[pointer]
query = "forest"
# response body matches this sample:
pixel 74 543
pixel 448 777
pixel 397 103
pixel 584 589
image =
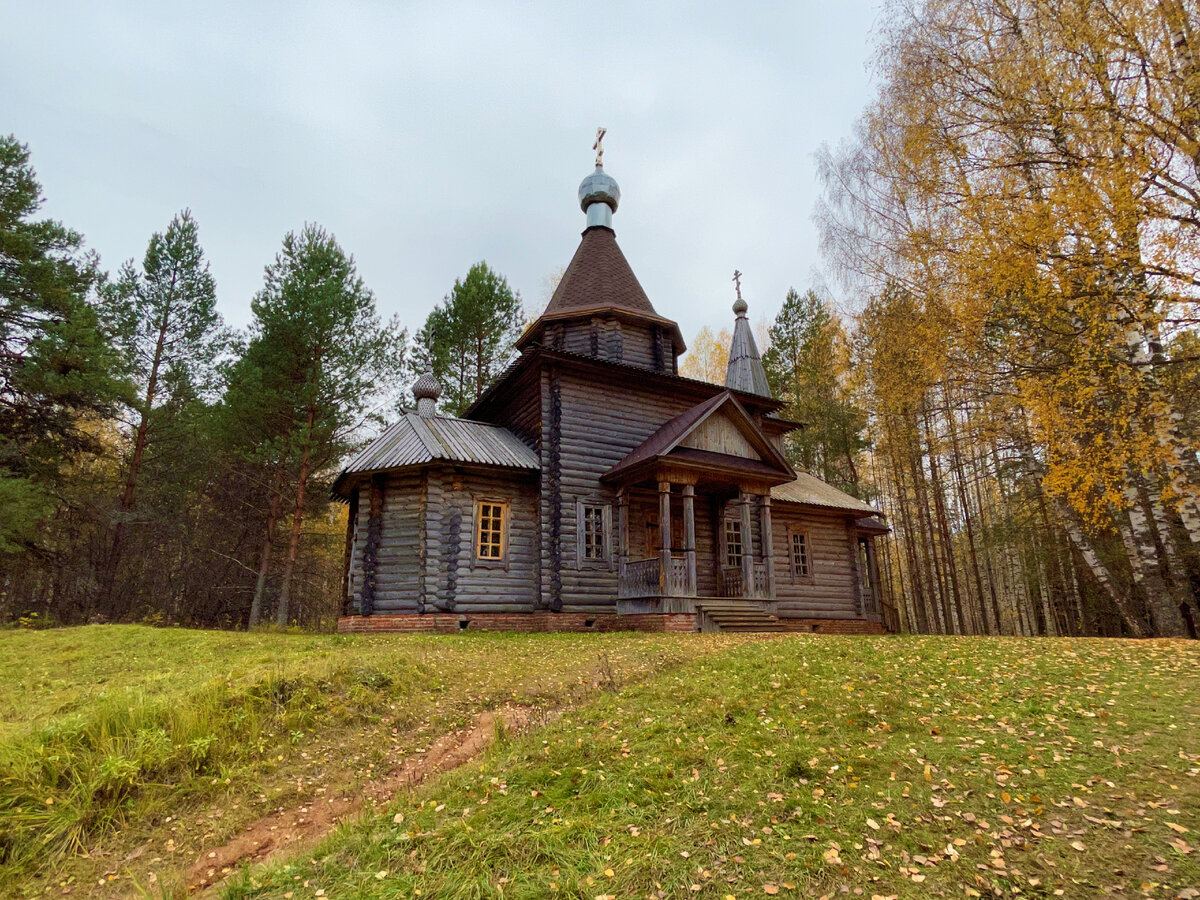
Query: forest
pixel 1005 360
pixel 1016 216
pixel 157 466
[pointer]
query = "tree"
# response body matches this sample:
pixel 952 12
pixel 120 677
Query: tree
pixel 317 369
pixel 1025 178
pixel 467 340
pixel 171 336
pixel 57 366
pixel 806 365
pixel 708 357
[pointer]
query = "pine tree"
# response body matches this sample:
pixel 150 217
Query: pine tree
pixel 57 366
pixel 318 368
pixel 171 336
pixel 806 364
pixel 467 340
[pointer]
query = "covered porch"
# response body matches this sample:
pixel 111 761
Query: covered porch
pixel 679 544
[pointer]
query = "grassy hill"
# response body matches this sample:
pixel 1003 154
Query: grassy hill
pixel 682 766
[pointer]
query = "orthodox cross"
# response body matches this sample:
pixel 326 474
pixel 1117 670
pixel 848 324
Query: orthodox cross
pixel 598 147
pixel 737 282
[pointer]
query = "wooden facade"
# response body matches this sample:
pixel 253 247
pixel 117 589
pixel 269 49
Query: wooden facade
pixel 592 484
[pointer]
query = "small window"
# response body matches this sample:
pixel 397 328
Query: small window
pixel 594 544
pixel 799 554
pixel 733 543
pixel 489 530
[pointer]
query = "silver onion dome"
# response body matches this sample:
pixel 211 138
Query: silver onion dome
pixel 426 392
pixel 598 197
pixel 739 308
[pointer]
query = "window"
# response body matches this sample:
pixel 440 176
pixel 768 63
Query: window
pixel 593 533
pixel 733 543
pixel 593 522
pixel 799 554
pixel 489 529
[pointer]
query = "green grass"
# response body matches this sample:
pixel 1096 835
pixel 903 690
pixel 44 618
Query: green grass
pixel 119 740
pixel 816 766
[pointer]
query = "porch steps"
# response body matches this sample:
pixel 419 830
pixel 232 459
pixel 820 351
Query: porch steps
pixel 736 617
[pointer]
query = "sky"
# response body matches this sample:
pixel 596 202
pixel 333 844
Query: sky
pixel 430 136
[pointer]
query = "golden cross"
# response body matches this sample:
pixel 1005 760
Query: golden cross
pixel 600 132
pixel 737 282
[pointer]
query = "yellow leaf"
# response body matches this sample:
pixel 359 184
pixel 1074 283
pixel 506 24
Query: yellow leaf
pixel 770 889
pixel 929 773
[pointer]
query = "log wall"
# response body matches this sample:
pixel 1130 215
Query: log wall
pixel 829 590
pixel 597 427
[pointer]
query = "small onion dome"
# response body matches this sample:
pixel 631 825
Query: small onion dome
pixel 599 187
pixel 427 388
pixel 739 307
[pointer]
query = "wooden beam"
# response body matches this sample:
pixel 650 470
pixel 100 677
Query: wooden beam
pixel 366 604
pixel 747 547
pixel 689 536
pixel 664 534
pixel 351 526
pixel 767 541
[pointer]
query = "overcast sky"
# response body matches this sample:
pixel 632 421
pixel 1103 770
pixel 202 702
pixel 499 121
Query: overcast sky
pixel 429 136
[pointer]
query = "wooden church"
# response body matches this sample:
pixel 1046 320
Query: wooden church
pixel 594 488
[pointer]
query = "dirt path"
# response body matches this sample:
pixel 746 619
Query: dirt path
pixel 289 831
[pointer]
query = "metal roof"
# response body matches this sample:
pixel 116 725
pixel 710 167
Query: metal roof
pixel 812 491
pixel 416 440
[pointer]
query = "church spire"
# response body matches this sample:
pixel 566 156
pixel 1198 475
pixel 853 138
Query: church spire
pixel 746 372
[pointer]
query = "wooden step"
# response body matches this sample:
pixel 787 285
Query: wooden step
pixel 735 617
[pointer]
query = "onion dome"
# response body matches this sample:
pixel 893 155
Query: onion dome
pixel 426 392
pixel 599 195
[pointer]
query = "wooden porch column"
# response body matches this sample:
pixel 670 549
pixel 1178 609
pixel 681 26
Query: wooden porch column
pixel 747 547
pixel 689 536
pixel 768 543
pixel 622 531
pixel 664 534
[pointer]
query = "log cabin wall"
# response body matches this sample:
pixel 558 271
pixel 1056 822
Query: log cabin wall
pixel 455 580
pixel 829 591
pixel 600 424
pixel 606 337
pixel 397 565
pixel 521 412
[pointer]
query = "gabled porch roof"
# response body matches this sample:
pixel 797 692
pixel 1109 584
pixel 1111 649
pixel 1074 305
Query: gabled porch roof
pixel 668 446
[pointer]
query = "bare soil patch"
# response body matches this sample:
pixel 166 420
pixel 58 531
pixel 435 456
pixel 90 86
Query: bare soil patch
pixel 295 829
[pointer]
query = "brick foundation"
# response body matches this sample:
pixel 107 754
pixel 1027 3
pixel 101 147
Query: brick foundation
pixel 832 626
pixel 453 623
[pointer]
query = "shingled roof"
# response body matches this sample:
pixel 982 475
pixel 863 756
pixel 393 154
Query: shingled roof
pixel 599 276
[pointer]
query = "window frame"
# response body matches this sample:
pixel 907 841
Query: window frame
pixel 805 535
pixel 606 557
pixel 505 508
pixel 736 523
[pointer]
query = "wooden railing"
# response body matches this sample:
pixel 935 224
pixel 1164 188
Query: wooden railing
pixel 641 578
pixel 762 587
pixel 677 584
pixel 732 584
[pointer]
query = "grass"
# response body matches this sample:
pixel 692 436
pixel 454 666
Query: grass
pixel 816 767
pixel 124 750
